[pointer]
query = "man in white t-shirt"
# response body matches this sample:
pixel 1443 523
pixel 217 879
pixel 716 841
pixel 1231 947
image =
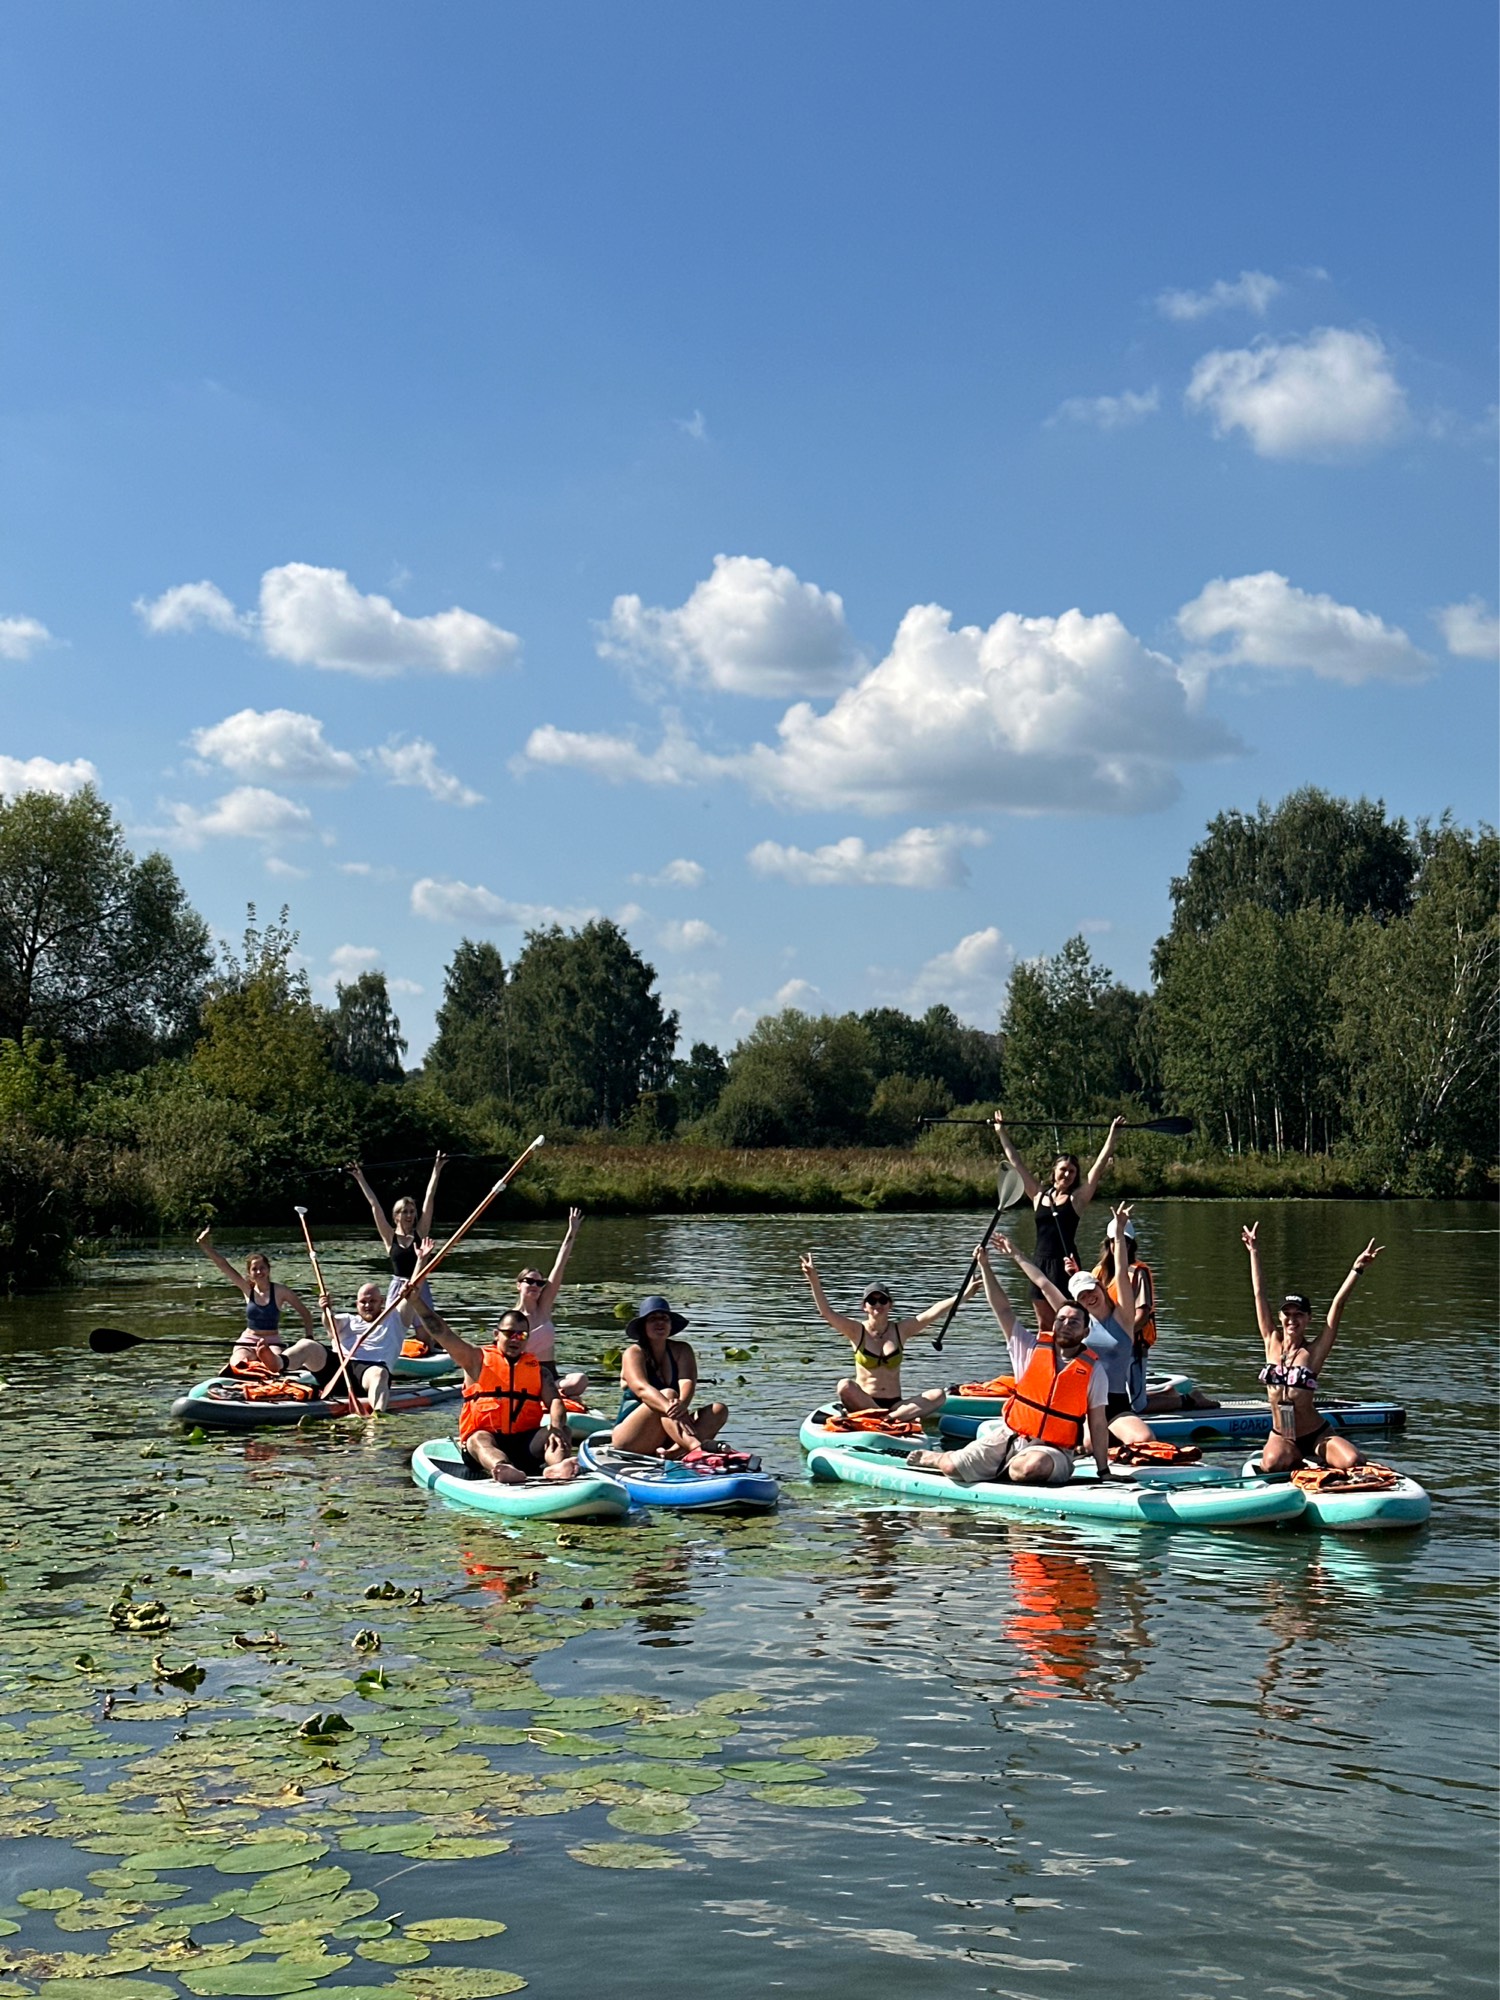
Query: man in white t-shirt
pixel 1002 1453
pixel 371 1337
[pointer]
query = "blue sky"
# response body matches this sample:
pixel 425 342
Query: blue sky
pixel 849 490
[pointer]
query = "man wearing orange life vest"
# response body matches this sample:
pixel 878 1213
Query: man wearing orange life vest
pixel 507 1393
pixel 1059 1402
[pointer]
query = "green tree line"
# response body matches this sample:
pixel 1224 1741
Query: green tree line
pixel 1327 986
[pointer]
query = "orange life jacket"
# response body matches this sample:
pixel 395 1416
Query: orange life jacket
pixel 507 1398
pixel 1156 1451
pixel 253 1368
pixel 871 1420
pixel 1339 1479
pixel 1145 1309
pixel 414 1350
pixel 1003 1385
pixel 1051 1404
pixel 279 1389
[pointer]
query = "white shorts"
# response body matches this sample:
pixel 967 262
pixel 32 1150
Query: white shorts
pixel 987 1457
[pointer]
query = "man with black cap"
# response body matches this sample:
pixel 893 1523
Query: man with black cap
pixel 658 1377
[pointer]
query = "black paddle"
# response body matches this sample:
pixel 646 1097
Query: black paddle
pixel 115 1340
pixel 1010 1193
pixel 1170 1128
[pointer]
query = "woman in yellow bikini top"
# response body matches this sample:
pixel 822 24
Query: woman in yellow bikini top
pixel 879 1342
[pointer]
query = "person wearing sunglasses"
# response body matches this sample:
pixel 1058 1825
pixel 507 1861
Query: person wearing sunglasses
pixel 1295 1358
pixel 536 1296
pixel 879 1341
pixel 514 1424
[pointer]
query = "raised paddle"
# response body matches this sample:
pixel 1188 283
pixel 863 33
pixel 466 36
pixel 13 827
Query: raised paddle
pixel 1170 1128
pixel 342 1371
pixel 1011 1192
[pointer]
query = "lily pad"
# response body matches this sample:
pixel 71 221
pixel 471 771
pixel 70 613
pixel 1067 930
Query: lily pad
pixel 250 1980
pixel 49 1899
pixel 775 1771
pixel 453 1930
pixel 463 1847
pixel 831 1749
pixel 808 1795
pixel 653 1818
pixel 458 1982
pixel 410 1838
pixel 263 1857
pixel 393 1951
pixel 625 1854
pixel 119 1989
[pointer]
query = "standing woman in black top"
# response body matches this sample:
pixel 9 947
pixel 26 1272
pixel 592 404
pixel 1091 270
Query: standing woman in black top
pixel 405 1231
pixel 1058 1207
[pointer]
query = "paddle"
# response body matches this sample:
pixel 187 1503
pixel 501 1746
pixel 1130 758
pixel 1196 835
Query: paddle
pixel 115 1340
pixel 1011 1192
pixel 342 1371
pixel 1170 1128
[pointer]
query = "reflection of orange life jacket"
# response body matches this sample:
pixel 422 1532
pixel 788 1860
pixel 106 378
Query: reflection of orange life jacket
pixel 1145 1302
pixel 1051 1404
pixel 506 1399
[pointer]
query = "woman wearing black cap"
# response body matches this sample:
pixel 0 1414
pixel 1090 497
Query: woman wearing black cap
pixel 879 1344
pixel 658 1375
pixel 1293 1364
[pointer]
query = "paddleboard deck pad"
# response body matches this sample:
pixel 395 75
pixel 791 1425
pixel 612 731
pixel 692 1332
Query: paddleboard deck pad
pixel 440 1466
pixel 665 1482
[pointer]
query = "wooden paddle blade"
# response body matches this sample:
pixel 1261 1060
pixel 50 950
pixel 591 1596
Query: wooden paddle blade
pixel 113 1340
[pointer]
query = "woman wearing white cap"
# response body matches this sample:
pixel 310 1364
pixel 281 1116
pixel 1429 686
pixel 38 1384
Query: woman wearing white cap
pixel 879 1342
pixel 1143 1281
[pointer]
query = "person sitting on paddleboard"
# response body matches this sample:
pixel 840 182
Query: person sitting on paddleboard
pixel 370 1336
pixel 406 1234
pixel 507 1393
pixel 658 1376
pixel 1058 1207
pixel 536 1296
pixel 879 1344
pixel 1057 1408
pixel 261 1349
pixel 1293 1364
pixel 1159 1401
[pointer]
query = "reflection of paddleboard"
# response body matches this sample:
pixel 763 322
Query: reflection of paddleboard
pixel 1192 1496
pixel 1357 1510
pixel 1236 1420
pixel 439 1466
pixel 220 1404
pixel 663 1482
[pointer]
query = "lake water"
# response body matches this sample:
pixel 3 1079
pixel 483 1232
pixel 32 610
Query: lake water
pixel 852 1742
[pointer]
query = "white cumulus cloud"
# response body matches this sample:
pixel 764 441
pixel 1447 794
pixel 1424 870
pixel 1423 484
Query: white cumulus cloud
pixel 1109 413
pixel 687 934
pixel 449 902
pixel 752 627
pixel 1265 621
pixel 315 617
pixel 1065 714
pixel 192 607
pixel 21 637
pixel 971 978
pixel 249 812
pixel 41 774
pixel 924 857
pixel 416 763
pixel 800 993
pixel 1325 397
pixel 1251 291
pixel 277 744
pixel 679 874
pixel 1470 630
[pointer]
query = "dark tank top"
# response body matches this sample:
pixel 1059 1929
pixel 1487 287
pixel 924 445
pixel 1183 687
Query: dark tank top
pixel 1056 1236
pixel 405 1257
pixel 262 1318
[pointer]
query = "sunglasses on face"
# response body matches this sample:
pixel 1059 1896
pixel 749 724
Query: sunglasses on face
pixel 532 1283
pixel 877 1299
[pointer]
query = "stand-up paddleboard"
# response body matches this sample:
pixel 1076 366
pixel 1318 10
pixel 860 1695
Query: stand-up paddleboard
pixel 222 1404
pixel 1178 1496
pixel 666 1482
pixel 439 1465
pixel 830 1425
pixel 420 1367
pixel 1237 1420
pixel 1356 1508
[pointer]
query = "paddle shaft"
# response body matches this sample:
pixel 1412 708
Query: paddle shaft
pixel 1010 1191
pixel 1172 1128
pixel 424 1271
pixel 342 1371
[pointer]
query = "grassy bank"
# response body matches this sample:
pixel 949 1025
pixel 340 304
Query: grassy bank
pixel 612 1179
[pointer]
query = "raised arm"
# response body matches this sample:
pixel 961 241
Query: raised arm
pixel 930 1315
pixel 285 1296
pixel 1083 1195
pixel 851 1329
pixel 469 1357
pixel 1318 1349
pixel 429 1200
pixel 205 1243
pixel 382 1222
pixel 560 1264
pixel 1029 1180
pixel 1125 1308
pixel 995 1292
pixel 1263 1317
pixel 1043 1283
